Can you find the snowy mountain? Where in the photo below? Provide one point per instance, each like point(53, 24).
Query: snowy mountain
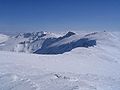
point(92, 64)
point(65, 44)
point(26, 42)
point(49, 43)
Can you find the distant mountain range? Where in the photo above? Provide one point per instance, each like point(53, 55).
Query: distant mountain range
point(51, 43)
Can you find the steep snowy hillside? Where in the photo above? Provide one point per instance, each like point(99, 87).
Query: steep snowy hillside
point(66, 43)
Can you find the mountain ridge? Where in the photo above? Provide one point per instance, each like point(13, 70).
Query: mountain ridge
point(51, 43)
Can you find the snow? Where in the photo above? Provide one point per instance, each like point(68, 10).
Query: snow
point(93, 68)
point(3, 38)
point(50, 43)
point(26, 42)
point(65, 44)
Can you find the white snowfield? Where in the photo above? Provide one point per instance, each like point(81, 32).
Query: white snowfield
point(93, 68)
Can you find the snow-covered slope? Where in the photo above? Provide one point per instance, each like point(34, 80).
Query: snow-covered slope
point(26, 42)
point(45, 43)
point(3, 38)
point(92, 68)
point(50, 43)
point(65, 44)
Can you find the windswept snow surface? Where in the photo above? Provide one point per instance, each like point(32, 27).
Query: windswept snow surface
point(93, 68)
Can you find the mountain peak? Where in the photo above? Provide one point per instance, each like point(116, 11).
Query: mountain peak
point(70, 33)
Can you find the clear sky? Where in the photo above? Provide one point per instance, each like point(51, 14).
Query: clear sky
point(54, 15)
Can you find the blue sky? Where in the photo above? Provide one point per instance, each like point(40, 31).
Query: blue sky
point(56, 15)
